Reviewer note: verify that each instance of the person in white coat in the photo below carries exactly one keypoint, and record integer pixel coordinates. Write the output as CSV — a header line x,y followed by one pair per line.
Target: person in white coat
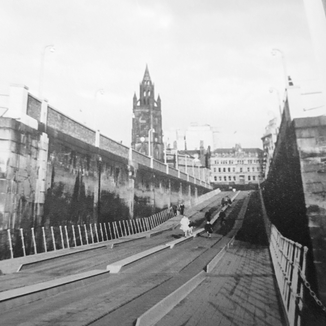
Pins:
x,y
184,226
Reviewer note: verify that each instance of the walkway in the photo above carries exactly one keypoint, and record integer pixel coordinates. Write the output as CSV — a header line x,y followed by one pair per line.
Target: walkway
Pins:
x,y
240,290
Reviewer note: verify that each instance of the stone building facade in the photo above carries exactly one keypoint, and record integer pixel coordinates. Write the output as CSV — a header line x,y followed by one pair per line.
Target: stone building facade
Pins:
x,y
231,166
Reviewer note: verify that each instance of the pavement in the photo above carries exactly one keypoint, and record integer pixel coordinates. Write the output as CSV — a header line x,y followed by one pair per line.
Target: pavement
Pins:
x,y
240,290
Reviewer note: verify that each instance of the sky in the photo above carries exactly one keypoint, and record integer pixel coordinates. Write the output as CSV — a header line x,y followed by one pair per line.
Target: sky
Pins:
x,y
210,60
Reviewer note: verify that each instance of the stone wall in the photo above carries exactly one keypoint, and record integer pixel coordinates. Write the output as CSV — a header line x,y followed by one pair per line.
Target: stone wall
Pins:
x,y
294,192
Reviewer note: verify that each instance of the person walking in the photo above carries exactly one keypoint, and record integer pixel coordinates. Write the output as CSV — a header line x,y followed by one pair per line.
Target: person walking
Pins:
x,y
208,225
181,208
184,226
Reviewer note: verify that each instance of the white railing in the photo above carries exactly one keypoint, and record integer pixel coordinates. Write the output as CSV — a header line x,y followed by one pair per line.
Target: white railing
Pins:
x,y
289,261
68,236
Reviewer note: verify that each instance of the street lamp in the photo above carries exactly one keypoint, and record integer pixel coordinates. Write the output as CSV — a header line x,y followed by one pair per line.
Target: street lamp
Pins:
x,y
272,90
52,49
96,128
274,53
149,141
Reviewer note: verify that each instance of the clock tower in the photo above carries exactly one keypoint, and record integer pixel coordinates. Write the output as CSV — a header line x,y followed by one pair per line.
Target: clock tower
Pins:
x,y
147,136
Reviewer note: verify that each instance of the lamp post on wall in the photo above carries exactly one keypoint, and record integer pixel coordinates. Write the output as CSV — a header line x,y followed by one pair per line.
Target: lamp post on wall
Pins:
x,y
274,90
52,49
95,122
150,133
279,52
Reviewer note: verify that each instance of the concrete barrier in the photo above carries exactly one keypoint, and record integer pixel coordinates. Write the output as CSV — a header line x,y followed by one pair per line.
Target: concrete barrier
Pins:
x,y
157,312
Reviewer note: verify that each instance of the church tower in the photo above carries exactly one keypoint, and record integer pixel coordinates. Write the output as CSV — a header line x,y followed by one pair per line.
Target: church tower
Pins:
x,y
147,136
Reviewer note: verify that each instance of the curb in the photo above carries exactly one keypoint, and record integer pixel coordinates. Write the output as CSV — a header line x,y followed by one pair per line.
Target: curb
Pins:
x,y
157,312
116,267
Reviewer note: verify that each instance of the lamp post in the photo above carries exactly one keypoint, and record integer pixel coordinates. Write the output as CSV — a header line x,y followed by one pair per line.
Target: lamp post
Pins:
x,y
52,49
274,53
150,133
272,90
96,128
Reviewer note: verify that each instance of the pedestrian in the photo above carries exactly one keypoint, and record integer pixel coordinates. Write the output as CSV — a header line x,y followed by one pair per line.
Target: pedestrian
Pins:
x,y
208,216
184,226
181,208
222,217
174,209
228,200
223,202
209,228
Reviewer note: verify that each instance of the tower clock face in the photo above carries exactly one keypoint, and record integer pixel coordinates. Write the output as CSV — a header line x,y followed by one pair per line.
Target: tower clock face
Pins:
x,y
142,139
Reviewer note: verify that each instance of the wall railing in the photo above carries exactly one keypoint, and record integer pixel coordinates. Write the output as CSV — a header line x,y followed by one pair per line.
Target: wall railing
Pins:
x,y
52,238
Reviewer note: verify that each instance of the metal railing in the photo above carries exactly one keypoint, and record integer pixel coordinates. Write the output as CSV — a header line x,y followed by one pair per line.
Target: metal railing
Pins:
x,y
24,242
289,258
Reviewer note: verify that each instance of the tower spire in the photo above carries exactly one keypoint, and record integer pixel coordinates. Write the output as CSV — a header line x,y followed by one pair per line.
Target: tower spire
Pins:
x,y
147,77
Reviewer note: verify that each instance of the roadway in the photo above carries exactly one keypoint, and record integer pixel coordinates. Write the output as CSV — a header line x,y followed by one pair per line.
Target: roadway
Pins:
x,y
118,299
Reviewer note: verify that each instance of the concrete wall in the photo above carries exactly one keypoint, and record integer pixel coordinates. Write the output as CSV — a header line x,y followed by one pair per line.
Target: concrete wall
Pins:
x,y
294,192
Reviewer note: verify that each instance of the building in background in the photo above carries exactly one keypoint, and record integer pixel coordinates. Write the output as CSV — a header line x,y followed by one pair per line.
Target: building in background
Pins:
x,y
147,136
269,140
232,166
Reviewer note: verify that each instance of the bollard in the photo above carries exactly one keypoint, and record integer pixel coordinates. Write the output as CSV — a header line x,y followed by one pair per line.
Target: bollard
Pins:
x,y
10,244
92,236
66,231
130,227
22,238
62,242
53,239
34,243
74,235
44,239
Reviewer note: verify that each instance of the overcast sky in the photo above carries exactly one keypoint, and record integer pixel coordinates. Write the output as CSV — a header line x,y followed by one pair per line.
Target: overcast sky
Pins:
x,y
210,60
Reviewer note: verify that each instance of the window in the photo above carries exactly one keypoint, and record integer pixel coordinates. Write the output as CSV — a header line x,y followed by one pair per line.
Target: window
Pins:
x,y
223,169
229,169
215,178
240,169
234,178
253,169
254,178
248,169
229,178
214,169
249,178
219,169
233,169
224,178
220,178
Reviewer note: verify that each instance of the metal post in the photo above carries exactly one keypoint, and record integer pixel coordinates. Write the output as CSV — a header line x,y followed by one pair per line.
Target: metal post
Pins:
x,y
74,235
34,243
67,236
44,239
62,242
53,239
92,236
101,230
10,244
23,242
